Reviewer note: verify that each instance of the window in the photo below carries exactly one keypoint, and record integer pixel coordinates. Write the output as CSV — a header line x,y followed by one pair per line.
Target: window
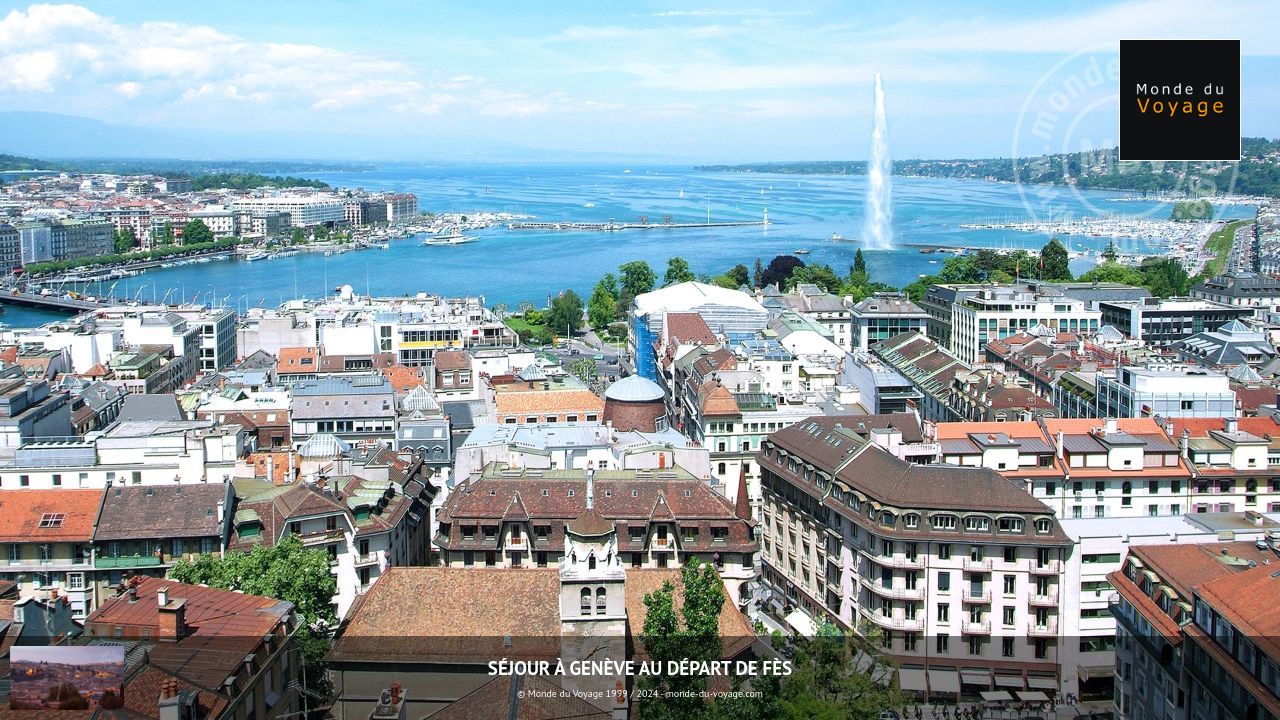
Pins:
x,y
1011,525
1008,617
601,603
57,480
24,481
1006,646
51,520
1010,554
941,644
944,581
584,606
944,613
1010,584
944,551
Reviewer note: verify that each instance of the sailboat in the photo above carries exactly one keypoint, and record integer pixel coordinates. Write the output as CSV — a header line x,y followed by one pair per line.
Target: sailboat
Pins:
x,y
681,192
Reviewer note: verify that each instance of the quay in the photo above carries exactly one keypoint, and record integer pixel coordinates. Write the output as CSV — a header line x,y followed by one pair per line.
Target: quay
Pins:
x,y
612,226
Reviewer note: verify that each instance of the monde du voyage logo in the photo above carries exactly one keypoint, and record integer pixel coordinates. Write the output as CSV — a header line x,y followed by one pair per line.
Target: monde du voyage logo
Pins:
x,y
1180,100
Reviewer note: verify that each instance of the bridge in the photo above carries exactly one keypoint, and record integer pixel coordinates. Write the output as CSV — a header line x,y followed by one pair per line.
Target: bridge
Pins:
x,y
52,302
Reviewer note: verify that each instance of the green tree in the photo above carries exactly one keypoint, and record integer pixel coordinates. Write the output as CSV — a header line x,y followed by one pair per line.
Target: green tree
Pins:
x,y
1054,261
757,274
166,235
297,236
859,262
739,275
287,571
779,271
821,275
1165,277
836,675
602,308
196,232
584,368
321,232
565,313
677,272
1111,254
125,241
668,639
637,278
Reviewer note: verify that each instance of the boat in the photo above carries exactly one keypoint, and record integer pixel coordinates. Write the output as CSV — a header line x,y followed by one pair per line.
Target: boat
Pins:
x,y
836,237
681,192
589,205
802,252
451,238
255,255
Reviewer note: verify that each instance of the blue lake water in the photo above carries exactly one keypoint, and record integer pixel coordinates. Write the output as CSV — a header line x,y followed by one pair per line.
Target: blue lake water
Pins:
x,y
514,265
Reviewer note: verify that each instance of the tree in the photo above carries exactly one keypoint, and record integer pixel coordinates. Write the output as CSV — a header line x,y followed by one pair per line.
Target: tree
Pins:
x,y
757,274
739,275
835,675
321,232
859,262
821,275
501,310
602,308
637,278
677,272
779,271
285,571
196,232
1165,277
297,236
166,235
1054,261
523,308
584,368
1110,254
565,313
667,639
125,241
1113,272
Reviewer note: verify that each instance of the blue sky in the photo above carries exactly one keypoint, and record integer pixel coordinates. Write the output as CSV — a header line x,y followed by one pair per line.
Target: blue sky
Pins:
x,y
688,80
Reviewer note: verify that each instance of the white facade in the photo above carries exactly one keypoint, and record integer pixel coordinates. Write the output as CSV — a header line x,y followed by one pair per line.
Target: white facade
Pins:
x,y
998,312
1167,391
304,210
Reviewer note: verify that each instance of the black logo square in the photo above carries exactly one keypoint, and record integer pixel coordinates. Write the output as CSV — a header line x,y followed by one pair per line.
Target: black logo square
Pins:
x,y
1179,99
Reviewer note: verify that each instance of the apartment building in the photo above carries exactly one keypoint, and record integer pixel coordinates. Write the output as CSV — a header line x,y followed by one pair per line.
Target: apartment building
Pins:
x,y
957,568
304,210
882,316
1195,629
1165,390
996,312
1235,463
10,248
47,537
352,408
517,517
30,410
1255,291
930,368
815,304
1163,321
401,207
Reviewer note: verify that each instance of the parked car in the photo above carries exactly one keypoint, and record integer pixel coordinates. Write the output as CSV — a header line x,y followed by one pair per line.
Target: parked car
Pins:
x,y
598,356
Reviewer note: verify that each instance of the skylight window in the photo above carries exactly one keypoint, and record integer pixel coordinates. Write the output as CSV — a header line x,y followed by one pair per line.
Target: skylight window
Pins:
x,y
52,520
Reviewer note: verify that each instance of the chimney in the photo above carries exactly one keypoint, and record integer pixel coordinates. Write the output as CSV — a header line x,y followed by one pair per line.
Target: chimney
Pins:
x,y
162,595
133,595
1110,426
1232,424
1185,443
174,705
391,704
591,486
1058,450
172,619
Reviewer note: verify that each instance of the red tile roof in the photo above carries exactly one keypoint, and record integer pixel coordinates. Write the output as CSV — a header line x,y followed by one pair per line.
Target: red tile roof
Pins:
x,y
61,514
684,328
402,378
298,360
452,360
1200,427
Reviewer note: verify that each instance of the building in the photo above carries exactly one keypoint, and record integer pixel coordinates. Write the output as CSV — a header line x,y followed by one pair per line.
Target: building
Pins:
x,y
133,216
531,397
264,223
1229,346
828,310
451,374
516,516
882,316
1164,321
304,210
30,410
958,568
143,530
635,403
1195,629
929,367
222,222
10,248
207,653
352,408
401,207
724,311
1164,390
997,312
1260,293
65,239
880,388
366,523
47,537
1235,463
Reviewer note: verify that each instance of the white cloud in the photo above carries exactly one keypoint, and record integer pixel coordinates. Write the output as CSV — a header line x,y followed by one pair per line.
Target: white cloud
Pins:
x,y
29,71
129,89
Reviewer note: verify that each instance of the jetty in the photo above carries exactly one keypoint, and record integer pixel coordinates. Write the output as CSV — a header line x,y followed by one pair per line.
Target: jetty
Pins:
x,y
614,226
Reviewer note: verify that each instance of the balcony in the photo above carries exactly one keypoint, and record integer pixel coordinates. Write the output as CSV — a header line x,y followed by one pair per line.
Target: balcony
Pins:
x,y
128,561
897,623
324,537
50,564
982,627
663,544
893,561
368,559
972,565
517,543
1048,628
977,596
1043,600
1052,567
895,593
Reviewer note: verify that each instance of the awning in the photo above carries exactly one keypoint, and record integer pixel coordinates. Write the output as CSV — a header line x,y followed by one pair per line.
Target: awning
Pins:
x,y
801,623
1044,683
976,677
944,681
1033,696
1095,671
996,696
911,679
1014,681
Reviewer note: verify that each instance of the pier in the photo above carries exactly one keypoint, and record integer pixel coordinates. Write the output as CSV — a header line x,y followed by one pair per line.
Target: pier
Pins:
x,y
612,226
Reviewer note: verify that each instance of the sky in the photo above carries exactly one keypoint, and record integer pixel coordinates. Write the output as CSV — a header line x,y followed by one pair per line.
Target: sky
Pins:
x,y
682,80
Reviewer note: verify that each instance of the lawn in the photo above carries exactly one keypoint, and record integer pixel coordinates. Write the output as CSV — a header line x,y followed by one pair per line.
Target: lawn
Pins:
x,y
1220,245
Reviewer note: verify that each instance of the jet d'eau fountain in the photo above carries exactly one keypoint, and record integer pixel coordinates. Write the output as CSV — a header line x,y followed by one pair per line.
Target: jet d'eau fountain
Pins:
x,y
877,232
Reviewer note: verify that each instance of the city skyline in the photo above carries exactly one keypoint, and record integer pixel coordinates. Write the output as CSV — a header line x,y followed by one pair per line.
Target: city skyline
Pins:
x,y
681,83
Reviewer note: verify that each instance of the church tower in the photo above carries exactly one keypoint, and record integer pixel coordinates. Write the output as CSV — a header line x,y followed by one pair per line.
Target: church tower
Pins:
x,y
593,605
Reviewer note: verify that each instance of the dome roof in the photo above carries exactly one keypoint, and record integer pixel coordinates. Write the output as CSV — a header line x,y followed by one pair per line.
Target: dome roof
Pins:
x,y
634,388
323,445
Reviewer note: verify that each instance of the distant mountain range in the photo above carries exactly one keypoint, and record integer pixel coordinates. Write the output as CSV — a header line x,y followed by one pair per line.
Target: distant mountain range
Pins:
x,y
53,136
1258,170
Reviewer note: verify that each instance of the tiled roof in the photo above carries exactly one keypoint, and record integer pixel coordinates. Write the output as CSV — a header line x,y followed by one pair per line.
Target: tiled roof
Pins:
x,y
1248,601
60,514
550,402
717,400
688,328
736,633
297,360
402,378
452,360
160,512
